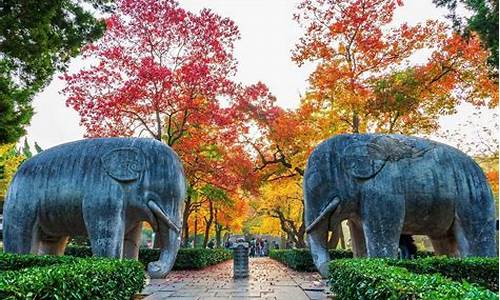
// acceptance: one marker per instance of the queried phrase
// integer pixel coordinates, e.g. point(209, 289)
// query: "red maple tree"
point(167, 73)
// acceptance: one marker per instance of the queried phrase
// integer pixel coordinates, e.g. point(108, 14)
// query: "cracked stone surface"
point(268, 280)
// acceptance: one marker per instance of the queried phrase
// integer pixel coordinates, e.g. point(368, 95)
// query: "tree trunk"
point(218, 235)
point(289, 227)
point(195, 231)
point(300, 236)
point(355, 122)
point(208, 223)
point(302, 229)
point(185, 222)
point(218, 231)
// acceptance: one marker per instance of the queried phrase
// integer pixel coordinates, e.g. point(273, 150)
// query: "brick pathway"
point(268, 280)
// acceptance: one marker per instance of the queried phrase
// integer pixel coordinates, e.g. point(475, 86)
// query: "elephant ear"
point(363, 160)
point(124, 164)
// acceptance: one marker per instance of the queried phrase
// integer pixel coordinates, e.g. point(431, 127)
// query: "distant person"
point(266, 248)
point(258, 247)
point(252, 247)
point(276, 245)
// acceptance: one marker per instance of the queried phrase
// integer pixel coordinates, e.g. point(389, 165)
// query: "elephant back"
point(338, 165)
point(91, 162)
point(363, 156)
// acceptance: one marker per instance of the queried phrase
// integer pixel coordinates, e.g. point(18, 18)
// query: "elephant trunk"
point(319, 248)
point(169, 237)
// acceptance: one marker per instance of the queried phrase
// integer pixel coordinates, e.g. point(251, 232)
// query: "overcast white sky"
point(268, 35)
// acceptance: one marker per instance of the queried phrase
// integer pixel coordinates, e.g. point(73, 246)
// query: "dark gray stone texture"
point(240, 260)
point(388, 185)
point(103, 188)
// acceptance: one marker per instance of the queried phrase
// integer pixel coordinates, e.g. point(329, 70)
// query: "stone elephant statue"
point(104, 188)
point(388, 185)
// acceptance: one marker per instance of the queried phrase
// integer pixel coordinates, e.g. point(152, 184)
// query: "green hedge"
point(375, 279)
point(480, 270)
point(187, 259)
point(301, 259)
point(13, 262)
point(70, 278)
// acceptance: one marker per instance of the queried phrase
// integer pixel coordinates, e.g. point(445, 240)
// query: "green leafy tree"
point(484, 21)
point(37, 38)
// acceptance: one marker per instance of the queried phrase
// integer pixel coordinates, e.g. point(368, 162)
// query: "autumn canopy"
point(167, 73)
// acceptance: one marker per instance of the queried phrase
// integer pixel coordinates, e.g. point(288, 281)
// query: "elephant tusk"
point(327, 211)
point(159, 213)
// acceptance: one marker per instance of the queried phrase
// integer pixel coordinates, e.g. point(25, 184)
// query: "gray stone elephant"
point(104, 188)
point(388, 185)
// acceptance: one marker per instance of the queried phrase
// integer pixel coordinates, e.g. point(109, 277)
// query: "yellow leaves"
point(281, 196)
point(9, 162)
point(342, 49)
point(267, 225)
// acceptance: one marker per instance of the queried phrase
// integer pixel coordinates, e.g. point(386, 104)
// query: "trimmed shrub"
point(90, 278)
point(187, 259)
point(78, 251)
point(301, 259)
point(200, 258)
point(480, 270)
point(14, 262)
point(375, 279)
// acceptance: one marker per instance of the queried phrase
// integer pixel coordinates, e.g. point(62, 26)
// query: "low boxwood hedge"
point(301, 259)
point(187, 258)
point(480, 270)
point(376, 279)
point(13, 262)
point(70, 278)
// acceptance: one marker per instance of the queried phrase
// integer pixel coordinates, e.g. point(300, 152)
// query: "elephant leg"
point(445, 245)
point(50, 245)
point(475, 232)
point(22, 237)
point(472, 239)
point(20, 225)
point(132, 241)
point(383, 217)
point(357, 238)
point(105, 223)
point(319, 247)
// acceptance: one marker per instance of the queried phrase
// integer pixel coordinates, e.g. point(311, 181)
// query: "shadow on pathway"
point(268, 280)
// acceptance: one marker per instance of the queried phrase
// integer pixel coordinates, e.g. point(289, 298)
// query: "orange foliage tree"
point(364, 74)
point(364, 81)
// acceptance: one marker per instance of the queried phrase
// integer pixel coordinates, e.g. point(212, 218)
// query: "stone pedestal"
point(240, 260)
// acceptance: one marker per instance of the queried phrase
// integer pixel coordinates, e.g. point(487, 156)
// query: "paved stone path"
point(268, 280)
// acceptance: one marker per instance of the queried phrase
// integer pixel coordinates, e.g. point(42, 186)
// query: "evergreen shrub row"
point(301, 259)
point(388, 279)
point(49, 277)
point(480, 270)
point(187, 258)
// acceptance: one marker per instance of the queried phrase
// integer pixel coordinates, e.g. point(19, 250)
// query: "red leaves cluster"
point(165, 72)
